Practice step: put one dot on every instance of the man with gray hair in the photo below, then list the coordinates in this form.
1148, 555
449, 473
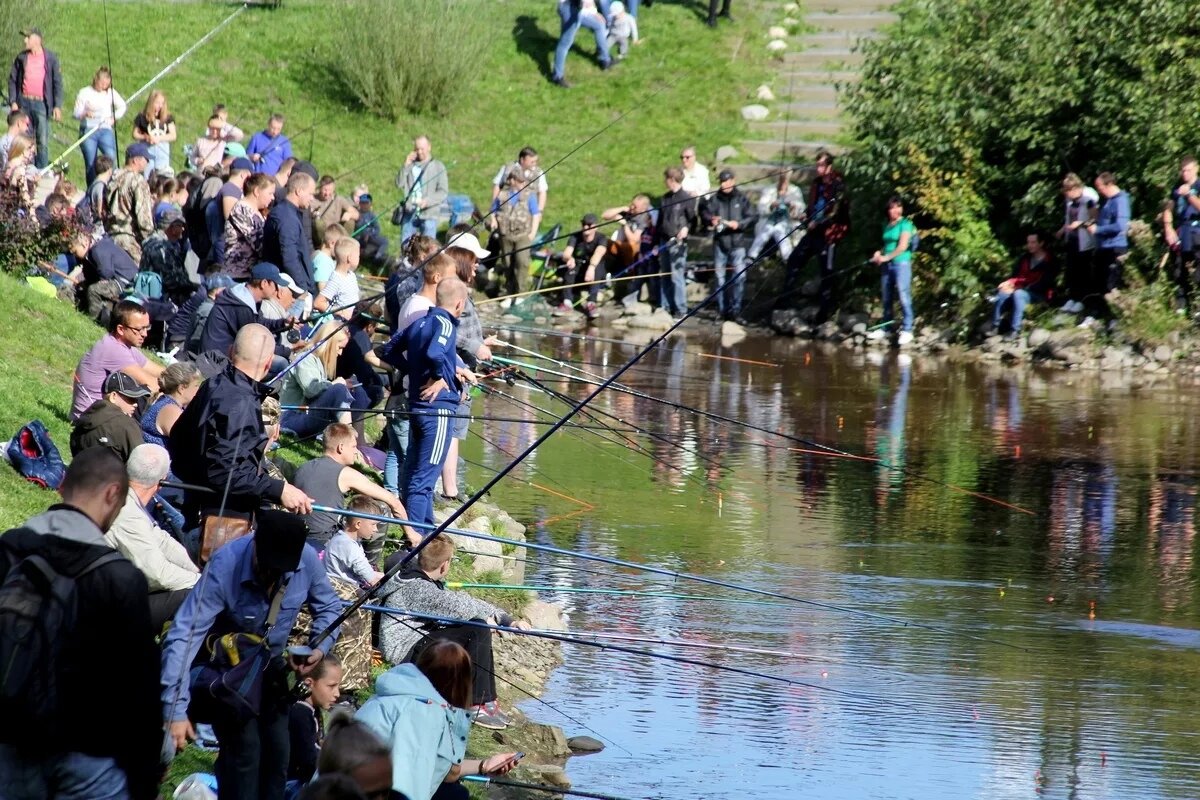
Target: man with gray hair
425, 186
169, 571
286, 238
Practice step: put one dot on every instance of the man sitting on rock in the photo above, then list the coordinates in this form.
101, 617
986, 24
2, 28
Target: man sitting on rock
421, 587
1031, 282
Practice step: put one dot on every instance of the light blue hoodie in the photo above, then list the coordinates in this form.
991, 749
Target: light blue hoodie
427, 735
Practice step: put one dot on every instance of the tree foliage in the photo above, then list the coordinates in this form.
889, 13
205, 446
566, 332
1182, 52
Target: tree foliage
975, 111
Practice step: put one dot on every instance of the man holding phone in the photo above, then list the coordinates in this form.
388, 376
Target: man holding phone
425, 186
253, 585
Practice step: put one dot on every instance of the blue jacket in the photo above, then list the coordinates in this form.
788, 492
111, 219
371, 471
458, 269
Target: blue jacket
230, 599
424, 352
273, 151
427, 735
284, 237
233, 310
1112, 223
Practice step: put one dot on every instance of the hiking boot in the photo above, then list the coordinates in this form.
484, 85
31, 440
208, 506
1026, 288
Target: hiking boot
562, 310
481, 717
591, 310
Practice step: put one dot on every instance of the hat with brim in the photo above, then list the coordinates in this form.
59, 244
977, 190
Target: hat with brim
279, 540
125, 385
235, 149
285, 281
469, 241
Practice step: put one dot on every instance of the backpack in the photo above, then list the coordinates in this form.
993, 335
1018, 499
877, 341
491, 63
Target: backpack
914, 240
513, 218
38, 608
148, 285
33, 454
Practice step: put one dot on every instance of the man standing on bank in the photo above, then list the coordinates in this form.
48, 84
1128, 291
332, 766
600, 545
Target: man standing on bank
35, 86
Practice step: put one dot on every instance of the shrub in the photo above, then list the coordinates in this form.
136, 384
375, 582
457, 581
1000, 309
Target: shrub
416, 56
24, 244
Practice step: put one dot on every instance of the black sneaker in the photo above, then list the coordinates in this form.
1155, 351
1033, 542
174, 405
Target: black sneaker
560, 82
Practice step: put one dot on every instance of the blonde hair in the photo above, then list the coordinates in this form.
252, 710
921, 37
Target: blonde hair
439, 551
163, 113
338, 433
19, 147
333, 234
343, 249
327, 353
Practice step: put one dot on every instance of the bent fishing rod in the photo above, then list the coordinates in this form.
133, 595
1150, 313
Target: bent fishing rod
614, 592
383, 412
162, 73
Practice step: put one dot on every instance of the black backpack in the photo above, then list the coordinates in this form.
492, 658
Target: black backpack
38, 608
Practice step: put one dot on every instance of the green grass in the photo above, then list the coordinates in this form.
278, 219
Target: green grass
684, 84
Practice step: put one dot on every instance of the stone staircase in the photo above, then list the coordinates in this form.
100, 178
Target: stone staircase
805, 116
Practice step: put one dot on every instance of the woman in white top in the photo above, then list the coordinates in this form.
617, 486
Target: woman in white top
98, 107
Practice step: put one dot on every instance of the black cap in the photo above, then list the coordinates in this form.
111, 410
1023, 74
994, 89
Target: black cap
125, 385
306, 168
279, 540
589, 220
726, 175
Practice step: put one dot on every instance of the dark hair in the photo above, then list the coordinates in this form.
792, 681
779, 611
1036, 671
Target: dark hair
168, 187
1042, 237
256, 182
328, 662
448, 667
123, 314
218, 108
102, 163
348, 745
1106, 179
458, 230
895, 200
368, 312
57, 201
674, 173
276, 118
326, 180
824, 157
526, 152
464, 261
15, 116
332, 787
91, 471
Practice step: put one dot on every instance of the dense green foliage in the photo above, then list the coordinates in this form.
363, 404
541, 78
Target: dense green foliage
421, 60
975, 111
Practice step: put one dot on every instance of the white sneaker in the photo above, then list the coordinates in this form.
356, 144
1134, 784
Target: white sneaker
506, 303
1088, 322
877, 334
905, 338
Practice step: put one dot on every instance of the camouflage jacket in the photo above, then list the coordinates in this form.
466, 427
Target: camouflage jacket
128, 206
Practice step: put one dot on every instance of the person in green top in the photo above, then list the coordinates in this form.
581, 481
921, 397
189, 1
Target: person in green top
895, 258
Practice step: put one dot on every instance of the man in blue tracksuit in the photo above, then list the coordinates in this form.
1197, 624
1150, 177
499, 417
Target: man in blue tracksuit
424, 352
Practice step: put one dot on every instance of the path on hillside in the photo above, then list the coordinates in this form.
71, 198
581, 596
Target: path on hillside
806, 115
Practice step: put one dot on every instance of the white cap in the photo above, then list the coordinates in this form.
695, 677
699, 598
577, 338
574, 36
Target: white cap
468, 241
286, 282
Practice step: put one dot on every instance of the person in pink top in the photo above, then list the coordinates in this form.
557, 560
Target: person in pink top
116, 352
35, 86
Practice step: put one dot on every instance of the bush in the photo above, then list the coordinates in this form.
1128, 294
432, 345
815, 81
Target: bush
24, 244
417, 56
975, 111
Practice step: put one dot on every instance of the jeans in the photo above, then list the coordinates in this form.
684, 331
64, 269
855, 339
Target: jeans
412, 222
36, 109
897, 281
103, 141
771, 234
431, 430
572, 19
729, 295
1020, 298
306, 424
673, 293
64, 776
397, 444
160, 160
713, 5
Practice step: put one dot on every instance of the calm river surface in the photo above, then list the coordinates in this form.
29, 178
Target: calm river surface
1087, 683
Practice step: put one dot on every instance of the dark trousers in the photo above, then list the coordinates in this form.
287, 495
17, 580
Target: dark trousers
712, 9
1185, 273
813, 244
647, 266
478, 644
1109, 274
253, 760
1078, 274
451, 791
163, 606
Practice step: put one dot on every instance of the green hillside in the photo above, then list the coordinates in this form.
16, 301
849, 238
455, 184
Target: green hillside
689, 80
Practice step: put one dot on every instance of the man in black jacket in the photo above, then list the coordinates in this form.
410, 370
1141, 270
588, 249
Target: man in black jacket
287, 241
676, 217
108, 665
240, 306
219, 441
731, 217
39, 98
107, 272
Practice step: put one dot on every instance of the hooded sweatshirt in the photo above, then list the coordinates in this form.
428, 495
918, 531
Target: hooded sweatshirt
426, 734
233, 310
105, 425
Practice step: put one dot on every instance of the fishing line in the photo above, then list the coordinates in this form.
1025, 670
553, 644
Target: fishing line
614, 592
129, 100
472, 417
446, 527
112, 92
539, 787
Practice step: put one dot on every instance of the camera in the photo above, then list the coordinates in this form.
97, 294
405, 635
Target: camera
293, 336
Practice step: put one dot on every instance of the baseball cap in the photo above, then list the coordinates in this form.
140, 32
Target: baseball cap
31, 31
286, 282
265, 271
169, 217
125, 385
235, 149
306, 168
590, 220
364, 198
242, 163
279, 540
726, 174
137, 150
469, 241
218, 280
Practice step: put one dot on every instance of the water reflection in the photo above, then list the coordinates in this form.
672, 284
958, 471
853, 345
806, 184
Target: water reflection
1081, 707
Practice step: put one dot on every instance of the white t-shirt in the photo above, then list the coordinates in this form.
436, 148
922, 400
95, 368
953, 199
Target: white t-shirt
341, 290
540, 183
413, 309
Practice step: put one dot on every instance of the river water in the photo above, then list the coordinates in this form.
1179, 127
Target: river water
1043, 523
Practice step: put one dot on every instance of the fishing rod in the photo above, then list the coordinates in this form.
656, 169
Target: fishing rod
731, 648
561, 286
445, 527
295, 362
473, 417
539, 787
799, 440
504, 587
129, 100
563, 638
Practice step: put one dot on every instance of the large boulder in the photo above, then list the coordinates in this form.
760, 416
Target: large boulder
585, 744
755, 112
545, 616
728, 152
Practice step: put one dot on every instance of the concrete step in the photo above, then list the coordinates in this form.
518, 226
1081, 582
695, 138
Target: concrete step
798, 92
800, 128
810, 109
824, 58
752, 173
869, 21
836, 39
772, 150
802, 76
847, 7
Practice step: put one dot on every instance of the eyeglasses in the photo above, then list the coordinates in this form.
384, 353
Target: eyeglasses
686, 156
139, 329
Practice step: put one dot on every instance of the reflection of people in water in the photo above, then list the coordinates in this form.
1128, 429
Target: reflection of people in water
1005, 413
890, 420
1083, 518
1172, 529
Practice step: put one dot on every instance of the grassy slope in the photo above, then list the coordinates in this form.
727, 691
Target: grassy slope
274, 60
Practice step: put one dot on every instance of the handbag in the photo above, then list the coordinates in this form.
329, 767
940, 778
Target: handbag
219, 531
233, 677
